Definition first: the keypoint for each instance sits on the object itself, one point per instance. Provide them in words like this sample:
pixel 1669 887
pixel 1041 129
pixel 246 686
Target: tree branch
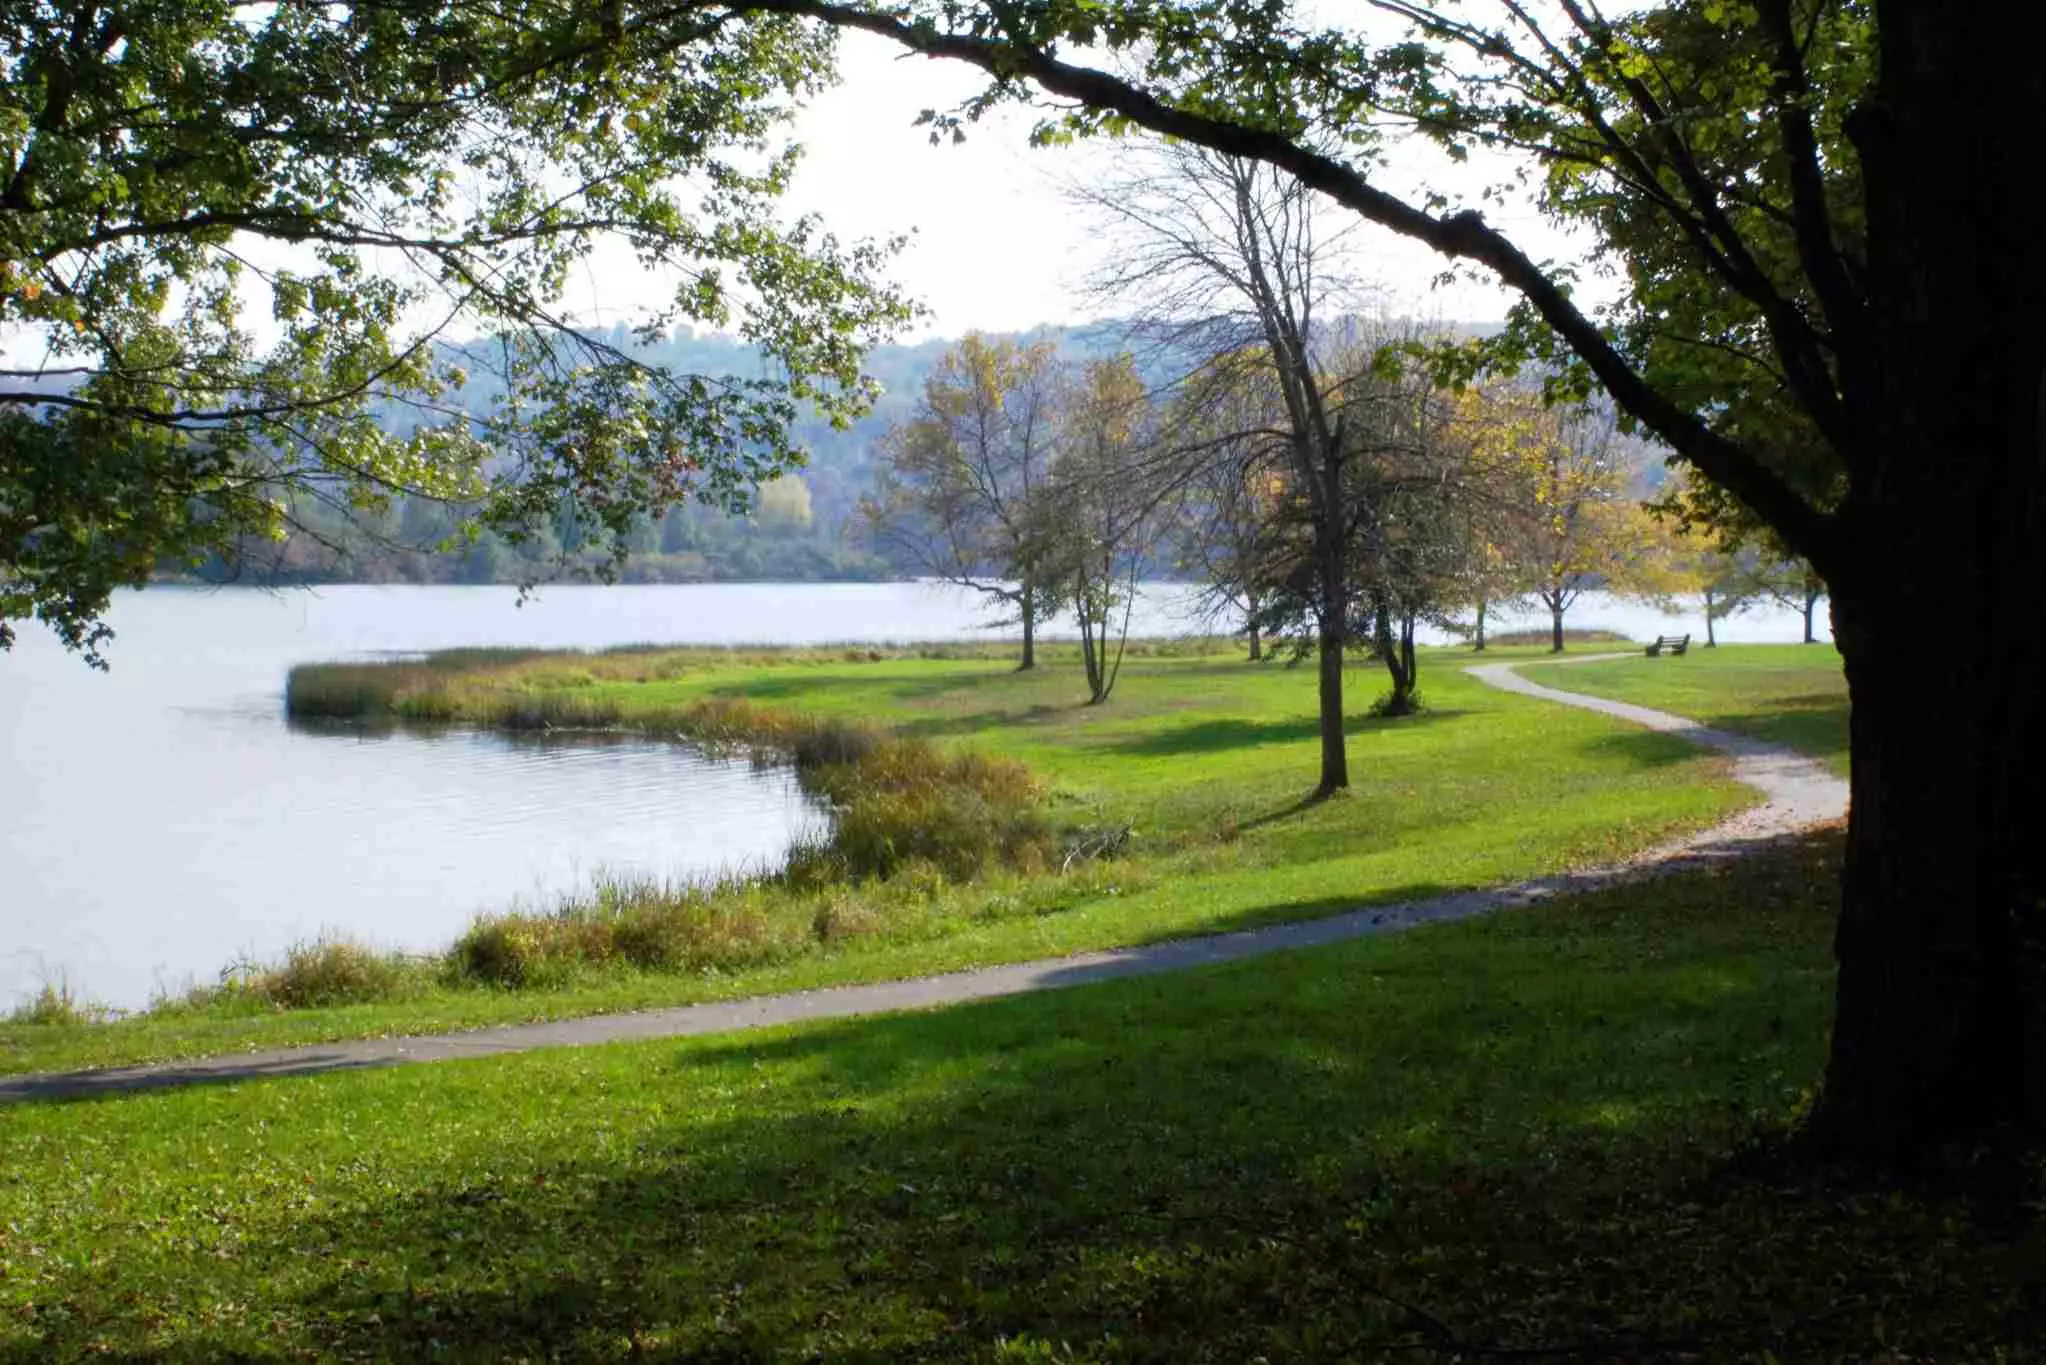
pixel 1811 220
pixel 1463 235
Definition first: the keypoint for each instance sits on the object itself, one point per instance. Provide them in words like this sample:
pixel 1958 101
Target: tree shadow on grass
pixel 941 726
pixel 1212 736
pixel 797 686
pixel 109 1082
pixel 1188 1172
pixel 1512 1144
pixel 1645 749
pixel 1815 726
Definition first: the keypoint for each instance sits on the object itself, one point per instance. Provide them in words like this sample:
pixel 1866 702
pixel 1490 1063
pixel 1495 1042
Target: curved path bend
pixel 1798 793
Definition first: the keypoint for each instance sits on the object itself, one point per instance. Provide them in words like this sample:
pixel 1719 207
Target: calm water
pixel 162 820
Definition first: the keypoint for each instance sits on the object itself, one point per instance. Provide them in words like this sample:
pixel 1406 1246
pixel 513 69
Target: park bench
pixel 1669 644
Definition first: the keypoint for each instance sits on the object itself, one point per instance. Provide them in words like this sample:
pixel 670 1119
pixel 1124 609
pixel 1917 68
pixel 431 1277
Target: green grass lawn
pixel 1510 1138
pixel 1795 695
pixel 1205 756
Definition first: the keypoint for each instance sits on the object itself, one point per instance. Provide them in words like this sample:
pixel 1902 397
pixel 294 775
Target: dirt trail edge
pixel 1797 794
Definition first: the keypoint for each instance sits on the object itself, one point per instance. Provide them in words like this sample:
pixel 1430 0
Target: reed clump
pixel 330 971
pixel 648 925
pixel 639 924
pixel 321 973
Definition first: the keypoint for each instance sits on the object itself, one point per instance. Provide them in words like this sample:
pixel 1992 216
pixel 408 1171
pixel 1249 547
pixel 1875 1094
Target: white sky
pixel 997 246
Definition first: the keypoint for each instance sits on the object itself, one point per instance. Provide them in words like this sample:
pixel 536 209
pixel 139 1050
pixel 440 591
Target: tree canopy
pixel 231 237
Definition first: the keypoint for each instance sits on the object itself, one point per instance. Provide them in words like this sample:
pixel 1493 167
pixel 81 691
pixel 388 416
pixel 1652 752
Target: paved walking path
pixel 1798 793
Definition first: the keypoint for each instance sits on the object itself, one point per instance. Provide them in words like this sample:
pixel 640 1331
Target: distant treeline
pixel 419 541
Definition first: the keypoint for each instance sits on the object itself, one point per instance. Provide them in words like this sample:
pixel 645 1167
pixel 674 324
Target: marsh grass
pixel 319 973
pixel 894 801
pixel 730 924
pixel 332 970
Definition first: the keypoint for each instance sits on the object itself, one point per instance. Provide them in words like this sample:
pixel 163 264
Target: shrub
pixel 1391 705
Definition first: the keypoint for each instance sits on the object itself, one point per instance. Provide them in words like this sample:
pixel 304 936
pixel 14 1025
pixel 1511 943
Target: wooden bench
pixel 1669 644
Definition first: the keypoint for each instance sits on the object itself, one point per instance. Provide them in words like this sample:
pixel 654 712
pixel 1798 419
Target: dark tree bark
pixel 1329 645
pixel 1090 656
pixel 1029 614
pixel 1399 659
pixel 1711 619
pixel 1479 647
pixel 1811 602
pixel 1411 660
pixel 1555 627
pixel 1938 1034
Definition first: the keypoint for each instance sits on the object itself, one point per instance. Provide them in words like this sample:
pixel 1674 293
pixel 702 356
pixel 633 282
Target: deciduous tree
pixel 959 496
pixel 1230 247
pixel 1102 511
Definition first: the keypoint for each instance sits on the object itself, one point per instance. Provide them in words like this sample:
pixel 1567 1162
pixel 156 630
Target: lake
pixel 160 821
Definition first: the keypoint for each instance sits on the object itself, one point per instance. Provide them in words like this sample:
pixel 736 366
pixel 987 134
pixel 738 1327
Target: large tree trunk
pixel 1329 645
pixel 1937 1035
pixel 1257 639
pixel 1711 620
pixel 1811 603
pixel 1029 627
pixel 1479 647
pixel 1555 626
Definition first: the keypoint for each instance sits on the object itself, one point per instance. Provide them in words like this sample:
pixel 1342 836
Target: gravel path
pixel 1798 793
